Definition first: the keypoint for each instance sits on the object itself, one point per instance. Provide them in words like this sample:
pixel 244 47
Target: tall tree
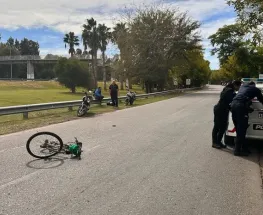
pixel 72 73
pixel 10 41
pixel 90 37
pixel 159 40
pixel 28 47
pixel 250 12
pixel 227 40
pixel 72 41
pixel 120 37
pixel 104 37
pixel 17 44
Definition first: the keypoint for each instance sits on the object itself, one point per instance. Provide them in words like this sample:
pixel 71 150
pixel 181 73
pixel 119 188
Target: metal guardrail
pixel 25 109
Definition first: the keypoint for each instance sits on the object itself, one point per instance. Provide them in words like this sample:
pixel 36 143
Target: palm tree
pixel 72 41
pixel 104 37
pixel 90 39
pixel 119 37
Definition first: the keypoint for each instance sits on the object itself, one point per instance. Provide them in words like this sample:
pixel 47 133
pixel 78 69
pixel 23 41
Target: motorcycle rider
pixel 240 109
pixel 221 111
pixel 98 95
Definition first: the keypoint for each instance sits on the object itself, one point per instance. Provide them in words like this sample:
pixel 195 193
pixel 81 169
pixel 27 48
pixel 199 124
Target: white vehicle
pixel 255 123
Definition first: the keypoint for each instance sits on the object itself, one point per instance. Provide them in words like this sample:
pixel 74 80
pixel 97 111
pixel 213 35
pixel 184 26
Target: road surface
pixel 158 159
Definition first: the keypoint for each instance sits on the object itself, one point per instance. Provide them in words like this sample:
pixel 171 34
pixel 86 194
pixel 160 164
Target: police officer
pixel 240 108
pixel 221 111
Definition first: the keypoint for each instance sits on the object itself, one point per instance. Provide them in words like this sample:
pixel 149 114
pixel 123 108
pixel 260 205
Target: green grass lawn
pixel 15 123
pixel 33 92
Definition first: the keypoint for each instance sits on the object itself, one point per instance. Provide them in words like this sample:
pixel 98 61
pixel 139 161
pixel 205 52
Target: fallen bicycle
pixel 48 147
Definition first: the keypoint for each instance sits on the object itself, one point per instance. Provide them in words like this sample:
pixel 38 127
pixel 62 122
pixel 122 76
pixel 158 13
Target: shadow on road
pixel 256 151
pixel 89 114
pixel 46 163
pixel 50 163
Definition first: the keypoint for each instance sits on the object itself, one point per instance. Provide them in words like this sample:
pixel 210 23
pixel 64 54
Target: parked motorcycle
pixel 85 105
pixel 131 97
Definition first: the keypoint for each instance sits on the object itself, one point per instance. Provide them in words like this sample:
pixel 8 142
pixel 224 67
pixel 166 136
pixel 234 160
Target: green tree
pixel 72 41
pixel 232 69
pixel 104 37
pixel 159 40
pixel 10 42
pixel 120 37
pixel 28 47
pixel 226 41
pixel 90 37
pixel 250 12
pixel 193 67
pixel 6 50
pixel 72 73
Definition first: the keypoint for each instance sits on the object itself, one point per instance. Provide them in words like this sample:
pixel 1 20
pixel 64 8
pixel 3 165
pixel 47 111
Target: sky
pixel 46 21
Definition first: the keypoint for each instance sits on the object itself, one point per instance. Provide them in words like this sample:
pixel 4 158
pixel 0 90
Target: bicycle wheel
pixel 49 144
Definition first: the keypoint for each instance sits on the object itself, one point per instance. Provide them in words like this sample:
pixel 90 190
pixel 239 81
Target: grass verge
pixel 34 92
pixel 15 123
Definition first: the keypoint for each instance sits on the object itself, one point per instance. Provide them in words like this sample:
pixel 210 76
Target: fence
pixel 25 109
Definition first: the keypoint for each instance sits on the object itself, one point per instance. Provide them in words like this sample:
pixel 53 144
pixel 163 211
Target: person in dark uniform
pixel 221 111
pixel 240 109
pixel 114 93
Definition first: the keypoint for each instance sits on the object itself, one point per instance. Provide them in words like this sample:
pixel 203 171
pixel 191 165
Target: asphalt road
pixel 157 160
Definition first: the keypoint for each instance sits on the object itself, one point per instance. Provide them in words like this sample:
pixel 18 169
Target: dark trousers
pixel 99 98
pixel 240 120
pixel 220 124
pixel 114 99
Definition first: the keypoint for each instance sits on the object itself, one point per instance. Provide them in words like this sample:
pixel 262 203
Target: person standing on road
pixel 114 90
pixel 240 108
pixel 221 112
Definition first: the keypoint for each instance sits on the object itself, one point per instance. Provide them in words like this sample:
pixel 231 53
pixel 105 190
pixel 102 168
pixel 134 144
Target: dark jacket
pixel 246 93
pixel 226 98
pixel 114 89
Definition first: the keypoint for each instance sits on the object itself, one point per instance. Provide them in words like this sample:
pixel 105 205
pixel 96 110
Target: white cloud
pixel 67 15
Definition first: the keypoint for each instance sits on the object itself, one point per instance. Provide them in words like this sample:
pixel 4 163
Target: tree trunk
pixel 146 87
pixel 104 70
pixel 121 81
pixel 130 84
pixel 129 81
pixel 95 69
pixel 142 84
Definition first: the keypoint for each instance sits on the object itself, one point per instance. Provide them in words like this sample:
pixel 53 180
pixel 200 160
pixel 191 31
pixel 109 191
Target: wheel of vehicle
pixel 46 143
pixel 229 141
pixel 82 110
